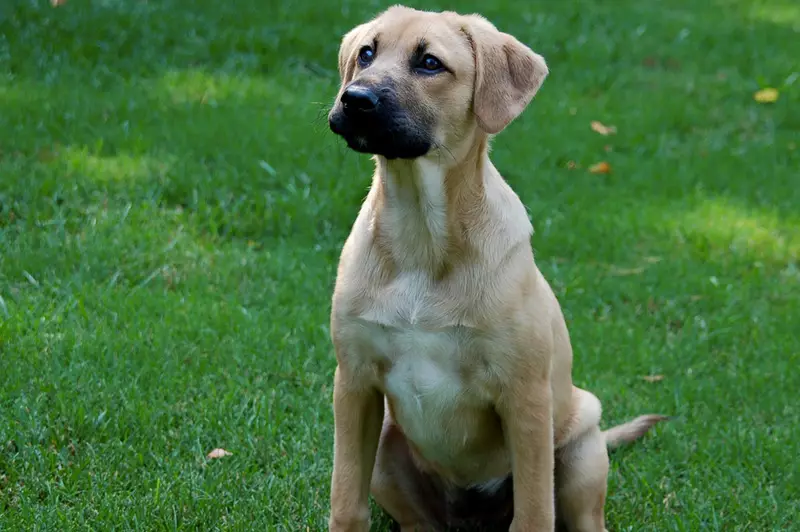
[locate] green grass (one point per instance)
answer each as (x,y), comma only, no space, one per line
(172,206)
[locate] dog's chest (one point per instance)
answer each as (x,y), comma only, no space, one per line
(434,370)
(436,384)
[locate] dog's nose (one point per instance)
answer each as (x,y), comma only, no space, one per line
(358,100)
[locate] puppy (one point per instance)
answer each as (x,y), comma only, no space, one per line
(453,398)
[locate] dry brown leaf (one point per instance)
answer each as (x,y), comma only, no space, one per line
(653,378)
(56,3)
(668,500)
(218,453)
(768,95)
(46,155)
(600,168)
(599,127)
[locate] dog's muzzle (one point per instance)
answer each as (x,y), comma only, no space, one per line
(371,120)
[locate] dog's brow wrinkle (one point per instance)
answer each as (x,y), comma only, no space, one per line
(419,51)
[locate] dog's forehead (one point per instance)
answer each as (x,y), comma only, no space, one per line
(405,27)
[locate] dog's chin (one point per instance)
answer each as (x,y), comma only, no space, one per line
(390,149)
(391,145)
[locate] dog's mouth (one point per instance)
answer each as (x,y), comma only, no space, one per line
(379,141)
(372,122)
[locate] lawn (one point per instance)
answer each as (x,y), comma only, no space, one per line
(172,206)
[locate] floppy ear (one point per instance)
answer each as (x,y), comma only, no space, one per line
(507,74)
(347,50)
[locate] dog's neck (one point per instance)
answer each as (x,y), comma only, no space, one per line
(423,207)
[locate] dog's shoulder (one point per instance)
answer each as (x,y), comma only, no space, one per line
(505,226)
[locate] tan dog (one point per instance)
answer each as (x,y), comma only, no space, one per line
(454,361)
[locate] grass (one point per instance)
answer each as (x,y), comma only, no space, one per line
(172,206)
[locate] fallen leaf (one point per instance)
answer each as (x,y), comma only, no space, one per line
(46,155)
(600,168)
(653,378)
(571,165)
(56,3)
(218,453)
(599,127)
(668,499)
(676,325)
(768,95)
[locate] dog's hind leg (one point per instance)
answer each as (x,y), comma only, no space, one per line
(581,477)
(582,468)
(399,487)
(582,462)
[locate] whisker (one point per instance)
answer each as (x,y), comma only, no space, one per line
(445,148)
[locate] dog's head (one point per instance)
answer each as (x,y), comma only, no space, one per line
(416,81)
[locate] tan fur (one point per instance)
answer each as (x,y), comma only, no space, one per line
(448,339)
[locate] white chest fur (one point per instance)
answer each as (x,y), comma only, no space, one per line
(434,373)
(430,378)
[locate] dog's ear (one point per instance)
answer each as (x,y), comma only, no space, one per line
(507,74)
(347,50)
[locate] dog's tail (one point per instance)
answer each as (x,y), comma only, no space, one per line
(632,430)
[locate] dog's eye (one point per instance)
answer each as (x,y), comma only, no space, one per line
(366,56)
(430,64)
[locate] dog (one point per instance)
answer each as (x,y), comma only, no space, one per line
(453,398)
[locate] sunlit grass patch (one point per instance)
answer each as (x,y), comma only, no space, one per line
(724,226)
(200,86)
(81,163)
(783,12)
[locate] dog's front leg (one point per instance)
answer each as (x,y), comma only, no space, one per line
(358,412)
(527,413)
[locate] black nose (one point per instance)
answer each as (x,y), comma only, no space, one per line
(358,100)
